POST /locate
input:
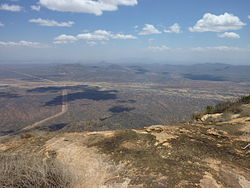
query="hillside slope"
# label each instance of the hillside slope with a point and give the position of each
(214, 152)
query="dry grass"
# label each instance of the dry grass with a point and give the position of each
(245, 111)
(26, 172)
(87, 166)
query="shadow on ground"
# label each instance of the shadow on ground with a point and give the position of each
(91, 94)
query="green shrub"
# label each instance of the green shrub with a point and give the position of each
(228, 107)
(210, 109)
(222, 107)
(245, 99)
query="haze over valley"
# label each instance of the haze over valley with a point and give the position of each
(108, 96)
(124, 94)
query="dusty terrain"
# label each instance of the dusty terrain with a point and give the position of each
(82, 126)
(109, 97)
(202, 154)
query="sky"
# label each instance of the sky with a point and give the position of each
(125, 31)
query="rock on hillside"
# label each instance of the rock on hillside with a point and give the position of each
(206, 154)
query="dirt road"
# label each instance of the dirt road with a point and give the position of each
(64, 109)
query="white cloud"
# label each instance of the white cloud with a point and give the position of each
(51, 23)
(86, 6)
(229, 35)
(1, 24)
(22, 43)
(176, 28)
(12, 8)
(63, 39)
(149, 29)
(248, 16)
(35, 7)
(158, 48)
(214, 23)
(217, 48)
(122, 36)
(98, 35)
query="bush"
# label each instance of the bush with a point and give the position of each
(228, 107)
(26, 172)
(245, 99)
(209, 109)
(222, 107)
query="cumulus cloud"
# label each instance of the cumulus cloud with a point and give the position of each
(176, 28)
(12, 8)
(229, 35)
(220, 23)
(158, 48)
(22, 43)
(217, 48)
(149, 29)
(96, 7)
(51, 23)
(35, 7)
(64, 39)
(98, 35)
(122, 36)
(1, 24)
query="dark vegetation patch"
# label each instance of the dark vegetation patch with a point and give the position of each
(54, 127)
(165, 73)
(127, 101)
(2, 133)
(222, 69)
(228, 106)
(8, 95)
(56, 89)
(91, 94)
(147, 162)
(183, 161)
(225, 107)
(132, 101)
(206, 77)
(122, 101)
(139, 70)
(128, 120)
(95, 67)
(120, 109)
(103, 119)
(202, 144)
(118, 121)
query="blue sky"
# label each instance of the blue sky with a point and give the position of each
(170, 31)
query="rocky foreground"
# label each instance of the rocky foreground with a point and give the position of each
(213, 152)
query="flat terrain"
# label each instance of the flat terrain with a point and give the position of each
(74, 97)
